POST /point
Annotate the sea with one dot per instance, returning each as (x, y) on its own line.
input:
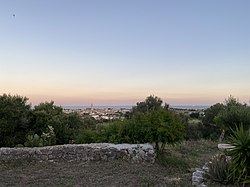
(130, 107)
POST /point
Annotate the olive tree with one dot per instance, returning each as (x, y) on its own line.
(233, 114)
(151, 103)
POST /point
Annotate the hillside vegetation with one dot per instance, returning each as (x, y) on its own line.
(149, 121)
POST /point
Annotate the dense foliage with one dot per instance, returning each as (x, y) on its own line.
(47, 124)
(20, 124)
(223, 117)
(233, 114)
(15, 118)
(211, 130)
(65, 125)
(151, 103)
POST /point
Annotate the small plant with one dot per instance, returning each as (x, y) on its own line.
(240, 153)
(19, 145)
(219, 168)
(49, 138)
(169, 160)
(34, 141)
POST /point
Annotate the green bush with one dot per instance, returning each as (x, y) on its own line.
(194, 131)
(49, 138)
(240, 167)
(136, 129)
(211, 129)
(219, 168)
(34, 141)
(86, 136)
(65, 125)
(111, 132)
(46, 139)
(233, 114)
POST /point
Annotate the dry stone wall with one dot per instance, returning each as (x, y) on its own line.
(135, 153)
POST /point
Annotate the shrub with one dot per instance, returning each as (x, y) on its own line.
(136, 129)
(46, 139)
(233, 114)
(156, 126)
(211, 129)
(34, 141)
(65, 125)
(49, 138)
(111, 132)
(219, 168)
(240, 167)
(86, 136)
(194, 131)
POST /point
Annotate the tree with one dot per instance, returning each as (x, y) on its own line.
(211, 129)
(151, 103)
(156, 126)
(164, 127)
(211, 113)
(47, 114)
(151, 122)
(15, 118)
(233, 114)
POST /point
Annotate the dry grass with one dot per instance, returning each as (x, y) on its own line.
(172, 170)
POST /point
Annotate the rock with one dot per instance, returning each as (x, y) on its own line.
(224, 147)
(141, 154)
(197, 177)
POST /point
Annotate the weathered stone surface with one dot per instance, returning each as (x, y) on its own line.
(224, 147)
(198, 177)
(84, 152)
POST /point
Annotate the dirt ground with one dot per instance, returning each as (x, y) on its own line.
(175, 170)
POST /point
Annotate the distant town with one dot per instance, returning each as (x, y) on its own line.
(115, 113)
(101, 113)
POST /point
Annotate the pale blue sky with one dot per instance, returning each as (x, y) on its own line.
(117, 52)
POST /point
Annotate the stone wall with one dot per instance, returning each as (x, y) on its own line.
(82, 152)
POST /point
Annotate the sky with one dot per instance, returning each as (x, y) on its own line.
(118, 52)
